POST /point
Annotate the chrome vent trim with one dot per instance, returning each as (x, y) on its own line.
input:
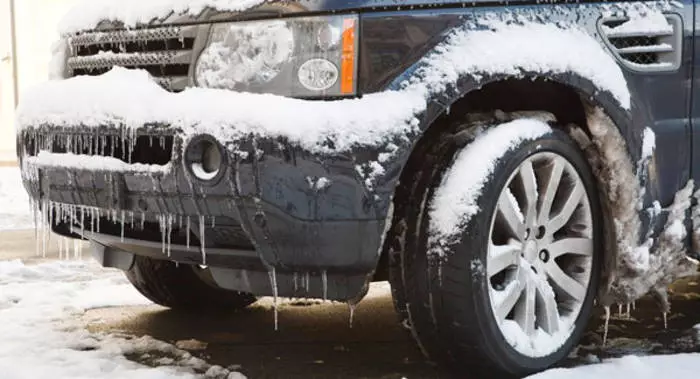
(645, 51)
(109, 59)
(166, 53)
(123, 36)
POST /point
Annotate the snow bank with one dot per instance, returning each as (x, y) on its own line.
(87, 14)
(456, 200)
(39, 306)
(653, 367)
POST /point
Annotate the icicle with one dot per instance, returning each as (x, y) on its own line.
(352, 312)
(619, 310)
(634, 305)
(629, 315)
(170, 231)
(307, 283)
(273, 282)
(324, 279)
(187, 237)
(122, 224)
(161, 226)
(143, 220)
(92, 220)
(82, 221)
(213, 222)
(665, 320)
(202, 238)
(607, 324)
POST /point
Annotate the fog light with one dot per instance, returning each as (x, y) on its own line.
(318, 74)
(204, 158)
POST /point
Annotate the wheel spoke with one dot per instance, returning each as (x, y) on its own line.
(543, 215)
(552, 186)
(565, 283)
(527, 174)
(548, 313)
(501, 257)
(525, 311)
(577, 246)
(511, 215)
(505, 301)
(570, 205)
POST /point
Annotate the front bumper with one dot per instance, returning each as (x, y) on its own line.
(298, 209)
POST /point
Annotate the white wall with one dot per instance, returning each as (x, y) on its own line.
(36, 22)
(6, 84)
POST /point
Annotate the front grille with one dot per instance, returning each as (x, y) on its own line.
(166, 53)
(127, 147)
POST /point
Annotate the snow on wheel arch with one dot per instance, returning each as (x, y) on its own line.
(456, 200)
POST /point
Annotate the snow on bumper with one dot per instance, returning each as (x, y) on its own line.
(131, 99)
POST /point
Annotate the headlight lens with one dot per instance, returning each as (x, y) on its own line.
(304, 57)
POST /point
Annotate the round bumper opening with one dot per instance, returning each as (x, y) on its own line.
(205, 159)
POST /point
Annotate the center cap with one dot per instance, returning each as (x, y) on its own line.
(530, 251)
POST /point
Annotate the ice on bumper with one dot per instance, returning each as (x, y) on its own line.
(92, 163)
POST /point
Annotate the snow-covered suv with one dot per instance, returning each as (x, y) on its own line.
(501, 166)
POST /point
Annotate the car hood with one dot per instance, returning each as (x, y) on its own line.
(119, 14)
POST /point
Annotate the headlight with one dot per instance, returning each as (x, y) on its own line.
(303, 57)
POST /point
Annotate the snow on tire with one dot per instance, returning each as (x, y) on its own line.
(502, 263)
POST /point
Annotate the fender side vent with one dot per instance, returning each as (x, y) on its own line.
(648, 45)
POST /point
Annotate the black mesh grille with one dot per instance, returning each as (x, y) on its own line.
(157, 150)
(641, 58)
(623, 42)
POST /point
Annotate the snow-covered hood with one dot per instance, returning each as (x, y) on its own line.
(111, 14)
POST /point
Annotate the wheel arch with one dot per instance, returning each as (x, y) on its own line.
(569, 97)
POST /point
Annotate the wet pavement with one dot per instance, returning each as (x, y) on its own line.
(315, 339)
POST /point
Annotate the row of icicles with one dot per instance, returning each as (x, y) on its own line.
(83, 220)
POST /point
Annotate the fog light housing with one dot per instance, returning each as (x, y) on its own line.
(204, 159)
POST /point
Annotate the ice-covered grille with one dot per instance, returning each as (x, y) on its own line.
(128, 147)
(166, 53)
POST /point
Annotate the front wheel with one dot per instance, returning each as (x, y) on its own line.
(502, 270)
(183, 286)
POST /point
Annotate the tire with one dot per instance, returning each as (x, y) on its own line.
(459, 304)
(182, 287)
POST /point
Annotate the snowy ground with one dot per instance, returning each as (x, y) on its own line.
(40, 316)
(66, 319)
